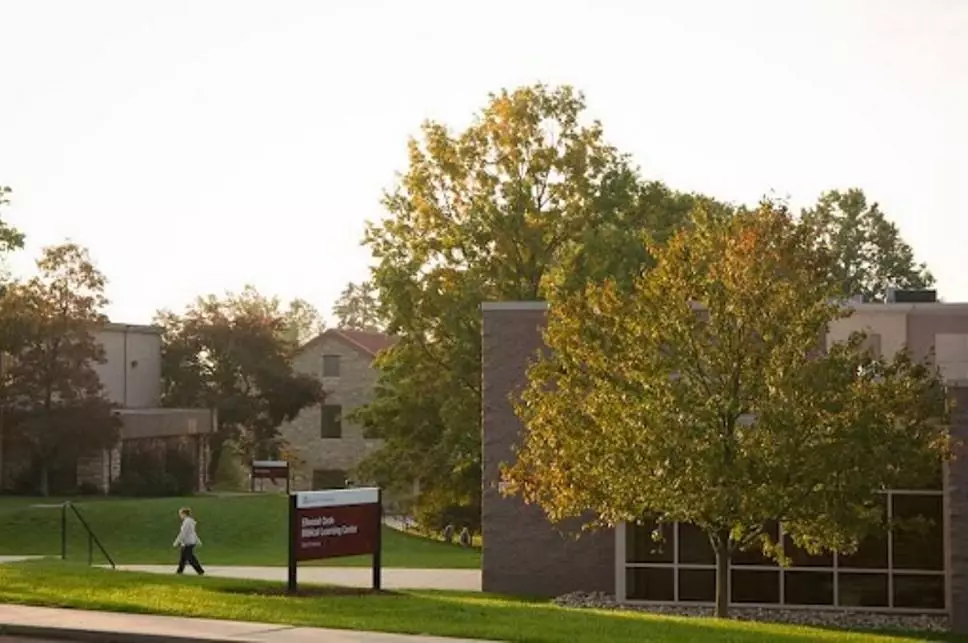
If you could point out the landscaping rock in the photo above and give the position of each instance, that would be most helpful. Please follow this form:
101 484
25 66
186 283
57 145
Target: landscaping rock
808 617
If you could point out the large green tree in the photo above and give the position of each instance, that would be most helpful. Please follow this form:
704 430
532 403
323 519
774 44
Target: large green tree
704 395
234 354
869 253
530 197
53 396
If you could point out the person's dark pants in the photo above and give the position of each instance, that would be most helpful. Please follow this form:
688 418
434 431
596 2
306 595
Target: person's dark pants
188 558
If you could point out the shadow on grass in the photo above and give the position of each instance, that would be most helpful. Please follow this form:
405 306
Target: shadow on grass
304 591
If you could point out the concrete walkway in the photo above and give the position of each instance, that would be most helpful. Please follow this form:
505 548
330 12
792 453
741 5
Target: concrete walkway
17 559
110 627
467 580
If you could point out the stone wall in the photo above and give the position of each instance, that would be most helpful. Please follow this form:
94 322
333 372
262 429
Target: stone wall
352 389
523 553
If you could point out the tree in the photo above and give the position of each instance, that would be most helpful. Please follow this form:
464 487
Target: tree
704 396
870 253
492 213
10 237
358 307
55 400
304 321
234 354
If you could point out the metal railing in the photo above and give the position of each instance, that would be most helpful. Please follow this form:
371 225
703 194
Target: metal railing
92 538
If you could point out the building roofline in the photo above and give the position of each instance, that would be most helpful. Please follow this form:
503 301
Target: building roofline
146 329
514 305
338 334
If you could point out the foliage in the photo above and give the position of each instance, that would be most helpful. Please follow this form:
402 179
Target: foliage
869 251
54 397
230 475
234 354
727 415
528 198
11 239
358 308
304 321
156 467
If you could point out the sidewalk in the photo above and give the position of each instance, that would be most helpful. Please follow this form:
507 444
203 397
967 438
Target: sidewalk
111 627
462 580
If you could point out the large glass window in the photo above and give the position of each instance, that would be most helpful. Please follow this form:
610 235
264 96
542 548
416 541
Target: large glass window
901 568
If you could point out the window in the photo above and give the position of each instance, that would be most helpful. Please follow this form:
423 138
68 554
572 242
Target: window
330 365
901 568
329 479
331 421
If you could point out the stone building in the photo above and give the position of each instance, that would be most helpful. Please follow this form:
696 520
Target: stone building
524 554
325 445
131 375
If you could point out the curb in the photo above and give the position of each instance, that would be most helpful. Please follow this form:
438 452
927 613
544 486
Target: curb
102 636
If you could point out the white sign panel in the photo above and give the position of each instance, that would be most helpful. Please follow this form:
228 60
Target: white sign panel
270 464
337 497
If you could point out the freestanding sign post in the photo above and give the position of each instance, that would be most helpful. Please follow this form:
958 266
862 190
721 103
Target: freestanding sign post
271 469
334 523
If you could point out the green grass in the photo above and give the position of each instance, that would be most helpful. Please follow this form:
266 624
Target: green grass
415 612
235 530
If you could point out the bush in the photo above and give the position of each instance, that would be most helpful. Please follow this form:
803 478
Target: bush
433 512
156 468
88 489
230 474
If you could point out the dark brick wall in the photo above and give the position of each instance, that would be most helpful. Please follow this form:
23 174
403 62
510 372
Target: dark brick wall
524 553
956 510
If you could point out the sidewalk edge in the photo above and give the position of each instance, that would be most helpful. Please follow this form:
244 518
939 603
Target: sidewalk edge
104 636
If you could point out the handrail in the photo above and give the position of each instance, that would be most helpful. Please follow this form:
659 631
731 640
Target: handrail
92 538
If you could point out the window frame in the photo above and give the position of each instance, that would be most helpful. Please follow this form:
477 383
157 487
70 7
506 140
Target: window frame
338 421
622 568
339 365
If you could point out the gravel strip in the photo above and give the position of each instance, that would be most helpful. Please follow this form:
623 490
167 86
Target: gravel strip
809 617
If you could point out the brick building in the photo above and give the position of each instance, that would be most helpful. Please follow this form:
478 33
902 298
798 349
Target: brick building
524 554
326 445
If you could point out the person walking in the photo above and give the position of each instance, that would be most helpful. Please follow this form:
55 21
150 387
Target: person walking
188 539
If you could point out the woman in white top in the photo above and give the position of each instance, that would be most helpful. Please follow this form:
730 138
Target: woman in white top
187 539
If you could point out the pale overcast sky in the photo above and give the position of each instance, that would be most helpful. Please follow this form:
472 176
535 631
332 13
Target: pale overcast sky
195 146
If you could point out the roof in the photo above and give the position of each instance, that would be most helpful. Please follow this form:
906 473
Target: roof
147 329
365 341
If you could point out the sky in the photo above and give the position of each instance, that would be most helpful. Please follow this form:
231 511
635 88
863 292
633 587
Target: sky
198 146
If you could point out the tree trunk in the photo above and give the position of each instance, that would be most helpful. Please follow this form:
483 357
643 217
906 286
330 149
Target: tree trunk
722 577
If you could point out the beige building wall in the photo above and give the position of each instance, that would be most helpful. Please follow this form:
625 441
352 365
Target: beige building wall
352 389
132 373
886 327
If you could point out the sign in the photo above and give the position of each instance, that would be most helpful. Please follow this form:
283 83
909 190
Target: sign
333 523
337 498
270 470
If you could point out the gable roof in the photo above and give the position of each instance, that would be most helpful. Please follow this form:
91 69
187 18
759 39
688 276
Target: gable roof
366 341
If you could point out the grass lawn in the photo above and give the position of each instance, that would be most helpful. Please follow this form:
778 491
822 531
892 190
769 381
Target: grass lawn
235 530
437 613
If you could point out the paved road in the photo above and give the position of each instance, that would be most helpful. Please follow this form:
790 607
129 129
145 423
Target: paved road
466 580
